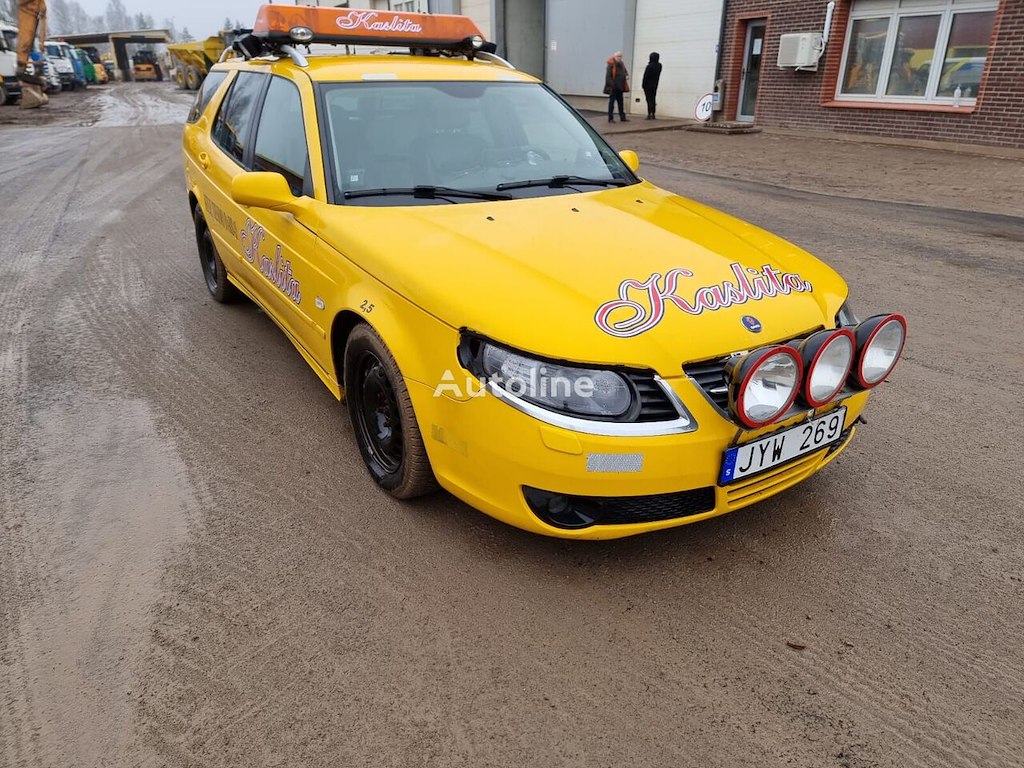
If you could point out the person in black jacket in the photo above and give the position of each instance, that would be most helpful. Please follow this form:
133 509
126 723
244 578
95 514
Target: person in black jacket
652 74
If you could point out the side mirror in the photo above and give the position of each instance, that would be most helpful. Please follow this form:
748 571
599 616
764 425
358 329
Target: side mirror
261 189
631 159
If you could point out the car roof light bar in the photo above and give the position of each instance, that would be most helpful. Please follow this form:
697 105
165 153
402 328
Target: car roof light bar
288 24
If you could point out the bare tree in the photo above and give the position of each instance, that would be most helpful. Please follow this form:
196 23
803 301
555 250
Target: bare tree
58 17
117 16
171 29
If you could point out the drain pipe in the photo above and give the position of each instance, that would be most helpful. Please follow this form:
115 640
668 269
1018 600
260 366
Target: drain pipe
719 90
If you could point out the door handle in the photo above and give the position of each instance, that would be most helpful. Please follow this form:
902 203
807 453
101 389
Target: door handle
204 160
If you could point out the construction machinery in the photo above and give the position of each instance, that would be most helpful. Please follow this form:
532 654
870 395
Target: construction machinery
30 69
193 60
145 66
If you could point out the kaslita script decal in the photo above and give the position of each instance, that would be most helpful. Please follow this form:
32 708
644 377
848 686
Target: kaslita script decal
641 314
372 21
277 270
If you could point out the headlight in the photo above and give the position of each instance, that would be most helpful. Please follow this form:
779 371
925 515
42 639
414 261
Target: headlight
582 392
595 401
880 342
827 357
764 385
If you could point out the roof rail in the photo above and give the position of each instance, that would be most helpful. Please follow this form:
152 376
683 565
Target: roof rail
493 58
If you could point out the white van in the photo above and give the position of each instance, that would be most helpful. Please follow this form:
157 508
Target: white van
10 88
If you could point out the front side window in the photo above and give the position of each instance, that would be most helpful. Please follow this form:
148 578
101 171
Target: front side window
479 137
209 87
281 136
916 51
234 122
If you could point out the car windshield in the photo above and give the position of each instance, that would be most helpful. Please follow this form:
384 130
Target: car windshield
390 141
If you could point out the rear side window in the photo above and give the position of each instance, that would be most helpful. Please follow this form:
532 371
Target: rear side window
206 91
281 137
234 122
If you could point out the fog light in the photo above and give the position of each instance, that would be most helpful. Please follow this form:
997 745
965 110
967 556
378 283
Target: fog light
764 385
558 509
827 358
880 341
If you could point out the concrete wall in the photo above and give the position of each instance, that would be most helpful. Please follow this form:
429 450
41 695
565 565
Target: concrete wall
482 12
520 34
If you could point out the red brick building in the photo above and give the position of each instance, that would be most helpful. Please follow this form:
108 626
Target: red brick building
947 70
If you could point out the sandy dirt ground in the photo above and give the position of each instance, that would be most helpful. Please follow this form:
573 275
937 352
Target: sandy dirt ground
853 169
196 570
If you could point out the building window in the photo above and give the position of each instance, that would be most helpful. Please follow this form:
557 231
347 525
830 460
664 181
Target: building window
406 6
916 51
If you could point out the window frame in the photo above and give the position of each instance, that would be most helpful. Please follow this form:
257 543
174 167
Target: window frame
307 174
247 152
947 10
203 101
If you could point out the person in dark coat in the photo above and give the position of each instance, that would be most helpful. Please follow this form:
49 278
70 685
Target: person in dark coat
652 74
616 83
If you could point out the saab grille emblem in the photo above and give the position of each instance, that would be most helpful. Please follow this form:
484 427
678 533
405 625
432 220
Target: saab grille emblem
752 324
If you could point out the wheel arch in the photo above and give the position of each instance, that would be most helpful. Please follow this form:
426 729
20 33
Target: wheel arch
341 328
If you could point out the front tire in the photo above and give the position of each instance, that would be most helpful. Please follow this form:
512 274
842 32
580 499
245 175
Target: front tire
383 419
214 272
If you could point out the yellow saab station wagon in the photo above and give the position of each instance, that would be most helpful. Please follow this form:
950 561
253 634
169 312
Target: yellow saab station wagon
508 310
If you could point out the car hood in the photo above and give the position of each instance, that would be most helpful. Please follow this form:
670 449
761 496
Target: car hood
632 276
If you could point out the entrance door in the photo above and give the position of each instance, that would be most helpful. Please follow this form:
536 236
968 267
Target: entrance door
751 74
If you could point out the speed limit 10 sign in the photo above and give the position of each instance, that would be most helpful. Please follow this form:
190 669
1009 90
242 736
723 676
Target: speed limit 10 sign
704 107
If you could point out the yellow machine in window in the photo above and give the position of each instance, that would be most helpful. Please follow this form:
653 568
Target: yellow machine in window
508 310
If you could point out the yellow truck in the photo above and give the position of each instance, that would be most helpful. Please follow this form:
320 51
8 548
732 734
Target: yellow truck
193 60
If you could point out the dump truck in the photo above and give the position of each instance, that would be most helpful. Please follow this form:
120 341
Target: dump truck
193 60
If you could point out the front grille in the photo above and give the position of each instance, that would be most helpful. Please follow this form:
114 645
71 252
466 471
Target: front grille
745 492
563 511
711 379
655 405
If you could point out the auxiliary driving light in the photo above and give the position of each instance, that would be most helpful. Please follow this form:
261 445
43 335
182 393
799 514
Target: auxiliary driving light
880 342
301 34
827 357
764 385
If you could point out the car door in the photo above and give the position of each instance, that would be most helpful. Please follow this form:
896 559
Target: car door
278 245
221 154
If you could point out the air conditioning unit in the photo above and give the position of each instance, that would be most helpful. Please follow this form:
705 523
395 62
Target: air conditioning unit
801 50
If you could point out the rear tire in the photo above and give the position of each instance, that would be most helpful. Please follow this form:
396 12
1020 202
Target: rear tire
214 272
383 418
193 78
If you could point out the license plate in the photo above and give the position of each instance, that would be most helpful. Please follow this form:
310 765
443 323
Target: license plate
781 447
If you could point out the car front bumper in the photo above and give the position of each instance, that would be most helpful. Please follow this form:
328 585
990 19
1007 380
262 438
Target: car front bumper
490 454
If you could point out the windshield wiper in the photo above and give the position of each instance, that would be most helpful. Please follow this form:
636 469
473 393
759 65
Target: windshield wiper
425 192
558 182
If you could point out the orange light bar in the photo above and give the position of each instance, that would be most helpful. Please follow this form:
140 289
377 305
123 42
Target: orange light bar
343 25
